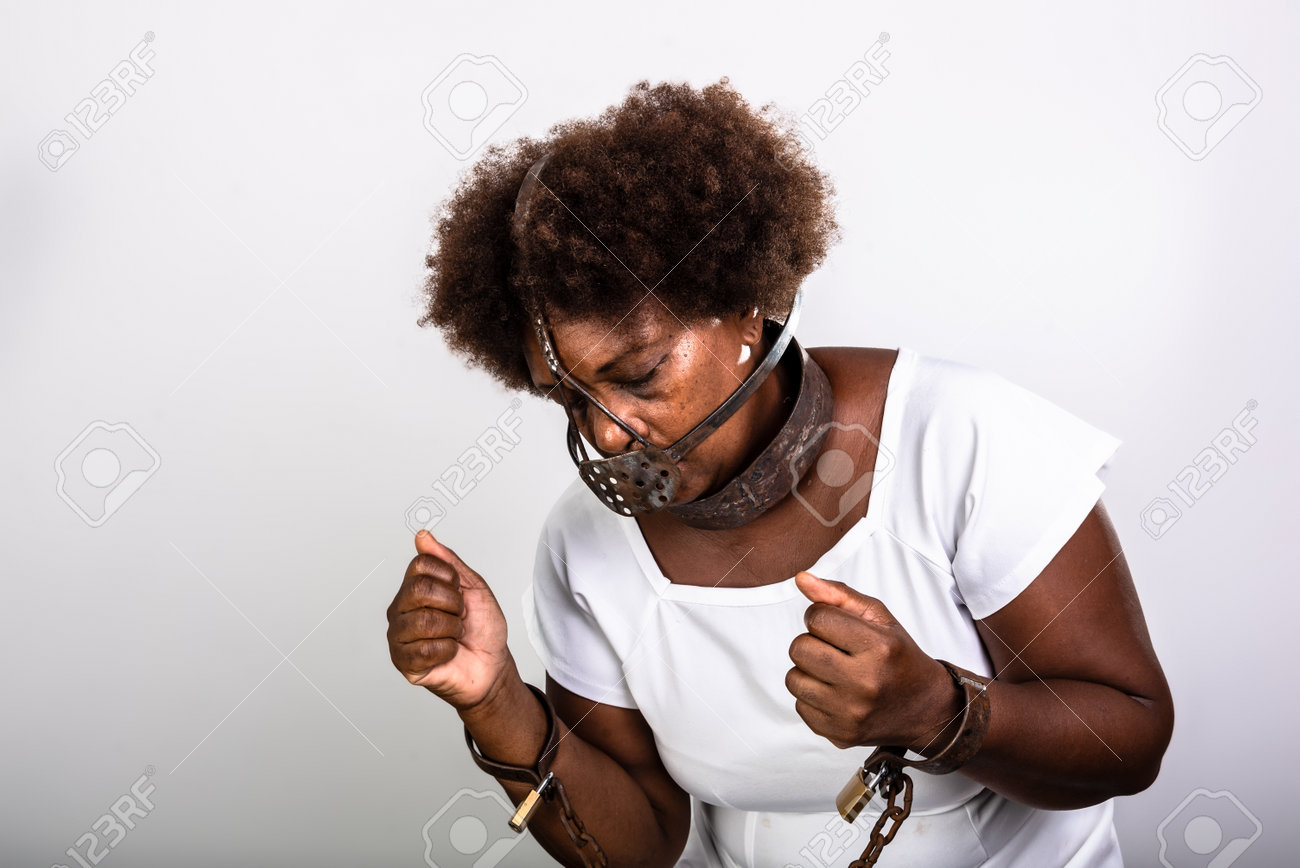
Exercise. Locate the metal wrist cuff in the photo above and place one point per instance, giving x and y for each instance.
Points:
(974, 723)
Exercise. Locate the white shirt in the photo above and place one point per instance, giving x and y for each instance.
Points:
(978, 484)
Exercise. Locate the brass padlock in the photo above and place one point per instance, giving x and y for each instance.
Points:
(520, 820)
(855, 795)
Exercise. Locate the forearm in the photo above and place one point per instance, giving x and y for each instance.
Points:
(510, 728)
(1061, 744)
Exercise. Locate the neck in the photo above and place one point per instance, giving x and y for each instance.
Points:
(772, 405)
(763, 414)
(751, 491)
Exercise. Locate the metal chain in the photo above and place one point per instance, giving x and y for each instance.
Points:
(590, 852)
(892, 783)
(893, 780)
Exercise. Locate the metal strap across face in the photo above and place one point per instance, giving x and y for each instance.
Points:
(646, 479)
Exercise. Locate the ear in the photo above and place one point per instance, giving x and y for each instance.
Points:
(751, 326)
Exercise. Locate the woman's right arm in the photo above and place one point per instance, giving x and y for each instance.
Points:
(447, 633)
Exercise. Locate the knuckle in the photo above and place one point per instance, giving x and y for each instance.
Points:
(418, 587)
(801, 709)
(431, 565)
(440, 625)
(428, 653)
(443, 650)
(428, 623)
(815, 617)
(425, 589)
(891, 649)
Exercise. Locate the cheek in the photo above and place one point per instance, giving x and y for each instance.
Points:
(694, 404)
(698, 386)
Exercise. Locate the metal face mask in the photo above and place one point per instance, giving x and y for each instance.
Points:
(646, 479)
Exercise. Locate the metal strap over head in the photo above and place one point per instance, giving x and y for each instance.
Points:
(523, 206)
(525, 195)
(645, 480)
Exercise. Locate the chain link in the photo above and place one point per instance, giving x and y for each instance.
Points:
(892, 782)
(590, 852)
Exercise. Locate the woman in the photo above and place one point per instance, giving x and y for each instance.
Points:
(921, 539)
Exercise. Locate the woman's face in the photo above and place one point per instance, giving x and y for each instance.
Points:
(662, 377)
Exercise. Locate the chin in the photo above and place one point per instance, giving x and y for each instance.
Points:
(693, 489)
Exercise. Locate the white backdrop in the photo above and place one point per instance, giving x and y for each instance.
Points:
(223, 253)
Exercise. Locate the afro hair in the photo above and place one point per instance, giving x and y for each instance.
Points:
(689, 194)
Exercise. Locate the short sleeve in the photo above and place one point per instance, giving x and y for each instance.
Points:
(564, 632)
(1027, 473)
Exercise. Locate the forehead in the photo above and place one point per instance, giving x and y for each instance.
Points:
(586, 345)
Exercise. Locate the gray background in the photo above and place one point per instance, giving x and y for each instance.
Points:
(230, 265)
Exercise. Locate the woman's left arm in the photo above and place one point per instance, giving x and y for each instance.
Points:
(1080, 709)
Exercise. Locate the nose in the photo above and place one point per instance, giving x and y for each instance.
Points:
(607, 436)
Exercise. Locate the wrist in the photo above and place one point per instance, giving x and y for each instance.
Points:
(967, 736)
(503, 698)
(945, 705)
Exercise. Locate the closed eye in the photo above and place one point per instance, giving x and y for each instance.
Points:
(634, 384)
(639, 385)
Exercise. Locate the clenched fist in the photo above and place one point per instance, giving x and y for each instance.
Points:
(446, 631)
(859, 678)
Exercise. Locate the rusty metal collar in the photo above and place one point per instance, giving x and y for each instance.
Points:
(775, 472)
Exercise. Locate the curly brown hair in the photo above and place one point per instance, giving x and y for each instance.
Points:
(691, 194)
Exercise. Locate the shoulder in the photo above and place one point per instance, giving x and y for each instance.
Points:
(925, 389)
(859, 378)
(935, 414)
(862, 366)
